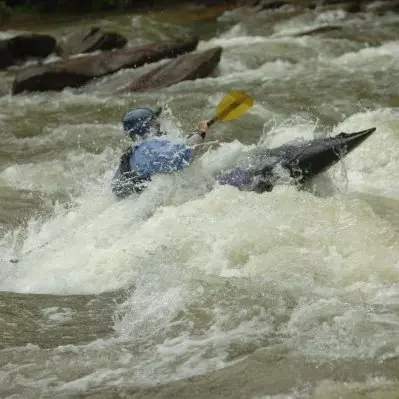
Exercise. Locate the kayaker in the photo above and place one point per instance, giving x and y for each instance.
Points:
(151, 152)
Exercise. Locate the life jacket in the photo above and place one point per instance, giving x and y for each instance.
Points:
(160, 156)
(147, 158)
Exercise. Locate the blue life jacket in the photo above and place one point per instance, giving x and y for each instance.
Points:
(160, 156)
(146, 159)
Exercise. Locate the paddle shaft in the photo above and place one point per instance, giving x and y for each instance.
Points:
(212, 121)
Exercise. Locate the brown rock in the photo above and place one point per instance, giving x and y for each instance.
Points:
(186, 67)
(247, 3)
(75, 72)
(271, 5)
(89, 40)
(20, 48)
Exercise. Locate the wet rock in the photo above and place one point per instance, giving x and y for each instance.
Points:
(186, 67)
(264, 5)
(319, 30)
(75, 72)
(271, 5)
(248, 3)
(18, 49)
(89, 40)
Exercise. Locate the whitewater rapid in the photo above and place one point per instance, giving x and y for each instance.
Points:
(211, 277)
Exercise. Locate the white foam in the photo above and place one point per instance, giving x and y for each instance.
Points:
(372, 167)
(56, 315)
(233, 41)
(371, 58)
(70, 176)
(8, 34)
(294, 128)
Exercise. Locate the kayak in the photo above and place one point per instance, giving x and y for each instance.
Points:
(299, 161)
(295, 163)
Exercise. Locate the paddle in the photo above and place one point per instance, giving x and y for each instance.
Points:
(231, 106)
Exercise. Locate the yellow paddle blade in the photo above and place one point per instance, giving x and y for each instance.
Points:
(233, 105)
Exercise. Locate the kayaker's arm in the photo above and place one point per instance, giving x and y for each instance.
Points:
(198, 137)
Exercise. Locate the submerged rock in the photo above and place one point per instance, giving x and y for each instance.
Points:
(318, 30)
(186, 67)
(75, 72)
(18, 49)
(89, 40)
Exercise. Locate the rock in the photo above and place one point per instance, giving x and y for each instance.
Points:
(318, 30)
(16, 50)
(186, 67)
(331, 2)
(6, 56)
(248, 3)
(75, 72)
(261, 5)
(271, 5)
(89, 40)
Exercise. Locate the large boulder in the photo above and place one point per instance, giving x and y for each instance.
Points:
(89, 40)
(18, 49)
(75, 72)
(186, 67)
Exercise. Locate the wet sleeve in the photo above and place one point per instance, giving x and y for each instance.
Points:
(195, 139)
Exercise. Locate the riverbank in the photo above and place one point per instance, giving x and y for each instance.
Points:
(29, 18)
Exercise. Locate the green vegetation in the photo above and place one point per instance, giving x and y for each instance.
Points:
(88, 5)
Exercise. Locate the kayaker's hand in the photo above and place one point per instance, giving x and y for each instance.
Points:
(203, 126)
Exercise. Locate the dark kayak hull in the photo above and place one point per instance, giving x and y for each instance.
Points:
(295, 163)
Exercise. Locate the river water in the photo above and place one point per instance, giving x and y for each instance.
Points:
(196, 293)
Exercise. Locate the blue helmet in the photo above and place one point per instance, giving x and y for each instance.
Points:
(138, 121)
